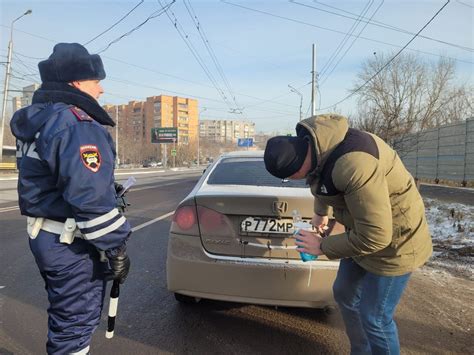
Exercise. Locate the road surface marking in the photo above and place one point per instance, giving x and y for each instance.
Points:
(146, 224)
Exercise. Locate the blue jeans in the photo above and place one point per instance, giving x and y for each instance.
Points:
(367, 302)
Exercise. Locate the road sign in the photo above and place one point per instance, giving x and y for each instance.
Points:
(173, 152)
(164, 135)
(245, 142)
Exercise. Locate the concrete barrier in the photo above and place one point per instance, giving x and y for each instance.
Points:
(7, 166)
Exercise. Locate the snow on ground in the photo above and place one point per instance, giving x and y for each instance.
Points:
(452, 230)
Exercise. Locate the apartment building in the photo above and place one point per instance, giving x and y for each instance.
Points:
(137, 118)
(225, 131)
(172, 111)
(26, 97)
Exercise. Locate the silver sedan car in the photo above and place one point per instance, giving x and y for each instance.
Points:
(231, 239)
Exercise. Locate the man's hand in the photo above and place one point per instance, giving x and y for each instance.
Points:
(320, 222)
(309, 242)
(119, 264)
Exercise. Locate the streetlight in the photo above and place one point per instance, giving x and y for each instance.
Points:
(198, 134)
(292, 89)
(7, 82)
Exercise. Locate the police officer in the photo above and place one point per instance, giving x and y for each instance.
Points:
(66, 188)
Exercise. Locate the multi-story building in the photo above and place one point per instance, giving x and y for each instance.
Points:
(137, 118)
(172, 111)
(225, 131)
(25, 99)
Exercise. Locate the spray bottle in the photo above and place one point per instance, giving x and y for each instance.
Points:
(299, 224)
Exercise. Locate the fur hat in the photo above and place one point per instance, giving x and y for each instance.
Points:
(285, 155)
(71, 62)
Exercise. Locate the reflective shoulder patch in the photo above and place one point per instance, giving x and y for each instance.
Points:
(80, 115)
(90, 157)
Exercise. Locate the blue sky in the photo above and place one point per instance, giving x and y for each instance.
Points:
(259, 54)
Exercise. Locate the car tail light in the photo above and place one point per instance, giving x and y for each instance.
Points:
(213, 223)
(185, 221)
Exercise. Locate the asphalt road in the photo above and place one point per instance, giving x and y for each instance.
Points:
(150, 321)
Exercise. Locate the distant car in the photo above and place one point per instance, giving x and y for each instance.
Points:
(231, 239)
(152, 164)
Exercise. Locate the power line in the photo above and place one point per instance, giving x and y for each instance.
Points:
(350, 46)
(196, 56)
(211, 52)
(152, 16)
(390, 61)
(179, 78)
(337, 31)
(463, 3)
(115, 24)
(26, 56)
(379, 24)
(277, 97)
(123, 81)
(191, 81)
(343, 42)
(32, 71)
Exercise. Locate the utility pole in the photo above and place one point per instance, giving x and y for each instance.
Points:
(7, 82)
(292, 89)
(198, 135)
(174, 154)
(117, 135)
(313, 83)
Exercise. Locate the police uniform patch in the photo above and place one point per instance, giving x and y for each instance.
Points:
(90, 157)
(80, 115)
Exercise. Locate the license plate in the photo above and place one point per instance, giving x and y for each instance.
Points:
(267, 225)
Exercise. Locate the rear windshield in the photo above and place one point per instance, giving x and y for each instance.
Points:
(247, 171)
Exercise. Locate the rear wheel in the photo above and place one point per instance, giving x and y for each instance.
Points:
(186, 299)
(330, 310)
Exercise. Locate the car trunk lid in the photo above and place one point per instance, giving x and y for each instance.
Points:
(251, 221)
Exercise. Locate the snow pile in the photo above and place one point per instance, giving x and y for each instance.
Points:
(452, 230)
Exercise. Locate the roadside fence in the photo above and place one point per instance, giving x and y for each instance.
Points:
(443, 153)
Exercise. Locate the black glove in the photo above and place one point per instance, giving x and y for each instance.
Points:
(119, 264)
(121, 202)
(118, 187)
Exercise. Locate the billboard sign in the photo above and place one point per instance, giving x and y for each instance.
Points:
(245, 142)
(164, 135)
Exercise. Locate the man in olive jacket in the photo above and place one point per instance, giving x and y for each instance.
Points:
(372, 194)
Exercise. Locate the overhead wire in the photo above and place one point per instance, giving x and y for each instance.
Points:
(210, 50)
(350, 46)
(179, 78)
(337, 31)
(129, 82)
(196, 56)
(463, 3)
(155, 14)
(380, 24)
(187, 80)
(343, 42)
(389, 61)
(32, 71)
(115, 24)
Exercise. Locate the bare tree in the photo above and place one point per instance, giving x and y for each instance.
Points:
(409, 96)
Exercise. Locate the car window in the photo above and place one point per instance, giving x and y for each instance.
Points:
(248, 171)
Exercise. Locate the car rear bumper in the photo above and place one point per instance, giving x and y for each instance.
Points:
(193, 272)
